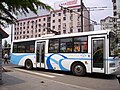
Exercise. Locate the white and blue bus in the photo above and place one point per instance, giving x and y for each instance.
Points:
(80, 53)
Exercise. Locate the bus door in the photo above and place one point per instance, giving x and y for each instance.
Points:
(98, 54)
(40, 54)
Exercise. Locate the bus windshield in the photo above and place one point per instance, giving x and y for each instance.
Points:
(113, 44)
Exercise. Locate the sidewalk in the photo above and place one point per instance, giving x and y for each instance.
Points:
(15, 80)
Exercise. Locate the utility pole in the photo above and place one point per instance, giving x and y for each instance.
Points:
(82, 15)
(11, 33)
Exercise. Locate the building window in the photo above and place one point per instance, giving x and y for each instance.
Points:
(53, 27)
(79, 30)
(119, 16)
(39, 30)
(59, 20)
(32, 26)
(23, 23)
(43, 19)
(39, 25)
(27, 27)
(114, 7)
(64, 31)
(53, 21)
(44, 29)
(64, 18)
(39, 20)
(71, 30)
(64, 11)
(32, 22)
(23, 32)
(59, 14)
(115, 13)
(53, 15)
(20, 24)
(114, 1)
(28, 22)
(43, 24)
(78, 10)
(59, 26)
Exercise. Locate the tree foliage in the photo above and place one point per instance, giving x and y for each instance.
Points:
(10, 8)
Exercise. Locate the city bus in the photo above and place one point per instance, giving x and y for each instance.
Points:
(80, 53)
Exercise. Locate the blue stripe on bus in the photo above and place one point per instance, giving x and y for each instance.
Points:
(63, 58)
(15, 59)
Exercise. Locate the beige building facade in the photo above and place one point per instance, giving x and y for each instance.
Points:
(107, 23)
(116, 14)
(61, 20)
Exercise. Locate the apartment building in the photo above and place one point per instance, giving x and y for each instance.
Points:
(61, 20)
(107, 23)
(67, 21)
(116, 14)
(30, 27)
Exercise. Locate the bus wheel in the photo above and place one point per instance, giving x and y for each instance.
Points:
(28, 64)
(78, 69)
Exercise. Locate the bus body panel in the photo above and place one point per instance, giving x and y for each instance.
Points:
(113, 65)
(64, 61)
(19, 59)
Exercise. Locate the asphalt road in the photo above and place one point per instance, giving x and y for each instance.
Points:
(57, 80)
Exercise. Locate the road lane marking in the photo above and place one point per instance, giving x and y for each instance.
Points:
(35, 73)
(55, 74)
(45, 75)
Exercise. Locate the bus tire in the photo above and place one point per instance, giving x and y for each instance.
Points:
(78, 69)
(28, 64)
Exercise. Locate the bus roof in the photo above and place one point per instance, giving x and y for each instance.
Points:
(43, 37)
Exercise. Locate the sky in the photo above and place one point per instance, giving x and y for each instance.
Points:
(95, 15)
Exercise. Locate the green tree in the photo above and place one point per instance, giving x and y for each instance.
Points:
(10, 8)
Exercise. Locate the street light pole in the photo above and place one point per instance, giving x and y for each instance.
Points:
(11, 33)
(82, 15)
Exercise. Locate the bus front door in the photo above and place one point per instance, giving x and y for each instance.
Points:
(40, 54)
(98, 55)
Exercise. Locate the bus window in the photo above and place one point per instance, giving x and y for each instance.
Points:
(80, 44)
(66, 45)
(53, 45)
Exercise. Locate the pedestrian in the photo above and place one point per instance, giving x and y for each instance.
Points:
(6, 58)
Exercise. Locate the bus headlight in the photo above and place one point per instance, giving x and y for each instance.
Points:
(112, 65)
